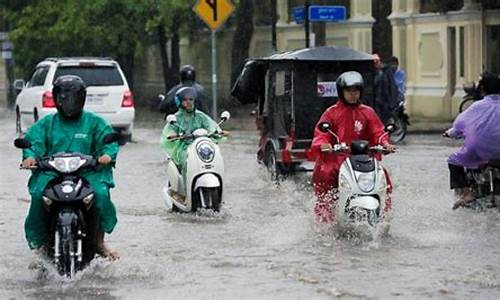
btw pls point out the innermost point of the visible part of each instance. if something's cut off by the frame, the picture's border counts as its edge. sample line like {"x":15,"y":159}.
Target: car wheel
{"x":125,"y":138}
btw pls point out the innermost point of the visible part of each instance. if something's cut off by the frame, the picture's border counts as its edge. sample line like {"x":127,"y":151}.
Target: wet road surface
{"x":264,"y":244}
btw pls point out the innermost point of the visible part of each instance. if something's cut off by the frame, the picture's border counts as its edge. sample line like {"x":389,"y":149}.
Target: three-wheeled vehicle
{"x":291,"y":91}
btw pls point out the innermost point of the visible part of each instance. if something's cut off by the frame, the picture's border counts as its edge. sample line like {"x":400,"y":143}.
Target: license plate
{"x":94,"y":100}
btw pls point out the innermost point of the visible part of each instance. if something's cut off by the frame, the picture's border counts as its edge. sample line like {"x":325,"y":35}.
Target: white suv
{"x":108,"y":93}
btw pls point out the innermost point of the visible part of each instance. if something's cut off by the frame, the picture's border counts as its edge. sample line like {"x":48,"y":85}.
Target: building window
{"x":440,"y":6}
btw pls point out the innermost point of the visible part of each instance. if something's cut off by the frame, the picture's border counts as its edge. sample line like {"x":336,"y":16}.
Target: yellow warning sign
{"x":214,"y":12}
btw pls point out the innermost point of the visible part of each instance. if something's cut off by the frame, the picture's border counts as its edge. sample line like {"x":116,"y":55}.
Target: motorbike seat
{"x":495,"y":163}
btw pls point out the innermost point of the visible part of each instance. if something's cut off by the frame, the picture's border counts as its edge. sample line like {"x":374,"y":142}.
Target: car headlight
{"x":205,"y":151}
{"x":67,"y":164}
{"x":365,"y":181}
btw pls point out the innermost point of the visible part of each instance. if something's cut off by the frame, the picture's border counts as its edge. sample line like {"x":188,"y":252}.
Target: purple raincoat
{"x":479,"y":125}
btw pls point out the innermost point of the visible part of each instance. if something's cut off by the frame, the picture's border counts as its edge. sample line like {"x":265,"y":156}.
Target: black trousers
{"x":457,"y":176}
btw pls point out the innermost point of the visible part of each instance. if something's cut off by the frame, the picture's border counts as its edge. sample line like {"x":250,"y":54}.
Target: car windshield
{"x":93,"y":75}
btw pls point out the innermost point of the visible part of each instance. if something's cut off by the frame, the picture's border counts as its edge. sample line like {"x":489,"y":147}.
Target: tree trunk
{"x":242,"y":37}
{"x":176,"y":58}
{"x":162,"y":43}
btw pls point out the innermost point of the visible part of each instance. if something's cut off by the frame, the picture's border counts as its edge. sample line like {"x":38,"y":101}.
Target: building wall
{"x":439,"y":52}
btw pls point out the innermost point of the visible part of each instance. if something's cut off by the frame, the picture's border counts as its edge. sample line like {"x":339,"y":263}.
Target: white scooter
{"x":203,"y":187}
{"x":362,"y":188}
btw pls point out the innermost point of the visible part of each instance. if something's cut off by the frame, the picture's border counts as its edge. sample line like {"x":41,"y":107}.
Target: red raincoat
{"x":349,"y":123}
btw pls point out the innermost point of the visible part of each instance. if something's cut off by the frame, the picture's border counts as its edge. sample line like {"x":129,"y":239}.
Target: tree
{"x":242,"y":36}
{"x":77,"y":28}
{"x":168,"y":20}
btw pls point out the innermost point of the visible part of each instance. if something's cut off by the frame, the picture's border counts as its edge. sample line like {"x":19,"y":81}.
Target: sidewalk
{"x":428,"y":126}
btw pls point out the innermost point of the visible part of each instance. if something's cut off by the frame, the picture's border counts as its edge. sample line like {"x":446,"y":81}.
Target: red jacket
{"x":349,"y":123}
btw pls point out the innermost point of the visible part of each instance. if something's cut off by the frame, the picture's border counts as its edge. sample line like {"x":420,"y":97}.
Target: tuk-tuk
{"x":291,"y":91}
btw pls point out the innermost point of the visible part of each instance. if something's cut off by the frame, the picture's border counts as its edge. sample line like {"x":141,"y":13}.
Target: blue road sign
{"x":299,"y":14}
{"x":324,"y":13}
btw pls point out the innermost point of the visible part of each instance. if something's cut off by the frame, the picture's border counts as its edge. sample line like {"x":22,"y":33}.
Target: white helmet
{"x":349,"y":79}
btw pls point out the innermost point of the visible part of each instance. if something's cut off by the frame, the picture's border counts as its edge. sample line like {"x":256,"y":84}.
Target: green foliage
{"x":76,"y":28}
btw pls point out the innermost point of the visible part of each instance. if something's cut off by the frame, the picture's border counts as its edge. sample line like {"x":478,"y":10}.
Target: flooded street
{"x":264,"y":244}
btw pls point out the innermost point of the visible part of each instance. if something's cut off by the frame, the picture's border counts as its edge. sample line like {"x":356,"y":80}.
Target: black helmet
{"x":349,"y":79}
{"x":186,"y":92}
{"x":69,"y":93}
{"x":489,"y":83}
{"x":187,"y":74}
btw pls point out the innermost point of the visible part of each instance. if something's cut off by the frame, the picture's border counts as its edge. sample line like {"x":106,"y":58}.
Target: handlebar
{"x":342,"y":147}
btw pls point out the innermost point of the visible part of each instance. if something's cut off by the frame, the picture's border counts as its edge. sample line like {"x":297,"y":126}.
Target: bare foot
{"x":104,"y":251}
{"x":466,"y":198}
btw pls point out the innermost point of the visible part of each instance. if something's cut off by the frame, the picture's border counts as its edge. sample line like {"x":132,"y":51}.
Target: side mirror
{"x":161,"y":97}
{"x":19,"y":84}
{"x":225,"y":116}
{"x":171,"y":119}
{"x":22,"y":143}
{"x":111,"y":138}
{"x":324,"y":127}
{"x":390,"y":128}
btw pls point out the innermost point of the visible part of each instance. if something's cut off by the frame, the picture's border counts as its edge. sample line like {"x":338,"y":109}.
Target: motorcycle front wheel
{"x":208,"y":196}
{"x":67,"y":264}
{"x":399,"y":134}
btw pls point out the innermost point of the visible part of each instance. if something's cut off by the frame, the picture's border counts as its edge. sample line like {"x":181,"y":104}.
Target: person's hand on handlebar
{"x":390,"y":148}
{"x":29,"y":163}
{"x":326,"y":147}
{"x":104,"y":159}
{"x":172,"y":136}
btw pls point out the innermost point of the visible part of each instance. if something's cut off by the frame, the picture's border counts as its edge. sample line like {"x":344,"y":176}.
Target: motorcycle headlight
{"x":366,"y":181}
{"x":343,"y":183}
{"x":67,"y":164}
{"x":205,"y":151}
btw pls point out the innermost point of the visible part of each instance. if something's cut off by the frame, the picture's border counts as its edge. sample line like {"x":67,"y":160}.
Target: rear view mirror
{"x":390,"y":128}
{"x":22,"y":143}
{"x":19,"y":84}
{"x":324,"y":127}
{"x":111,"y":138}
{"x":171,"y":119}
{"x":225,"y":115}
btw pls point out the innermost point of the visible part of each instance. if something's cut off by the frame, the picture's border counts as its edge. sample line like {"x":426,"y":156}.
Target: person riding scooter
{"x":350,"y":120}
{"x":187,"y":75}
{"x":71,"y":129}
{"x":188,"y":119}
{"x":479,"y":127}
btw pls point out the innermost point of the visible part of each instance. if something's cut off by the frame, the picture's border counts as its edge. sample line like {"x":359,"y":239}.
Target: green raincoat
{"x":177,"y":149}
{"x":53,"y":134}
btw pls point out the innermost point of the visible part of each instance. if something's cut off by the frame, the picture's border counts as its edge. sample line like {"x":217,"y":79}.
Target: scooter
{"x":202,"y":185}
{"x":68,"y":199}
{"x":362,"y":188}
{"x":484,"y":182}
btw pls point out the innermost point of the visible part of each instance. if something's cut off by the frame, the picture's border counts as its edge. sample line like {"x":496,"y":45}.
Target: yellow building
{"x":439,"y":51}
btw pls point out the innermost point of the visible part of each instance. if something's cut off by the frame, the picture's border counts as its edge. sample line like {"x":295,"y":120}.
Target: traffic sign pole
{"x":214,"y":13}
{"x":214,"y":76}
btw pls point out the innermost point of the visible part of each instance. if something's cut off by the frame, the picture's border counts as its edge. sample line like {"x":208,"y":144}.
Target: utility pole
{"x":306,"y":21}
{"x":274,"y":19}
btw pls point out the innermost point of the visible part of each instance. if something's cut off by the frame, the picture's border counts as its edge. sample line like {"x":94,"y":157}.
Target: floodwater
{"x":265,"y":243}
